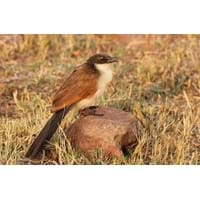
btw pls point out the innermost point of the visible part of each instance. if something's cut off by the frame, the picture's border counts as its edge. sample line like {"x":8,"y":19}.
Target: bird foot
{"x":90,"y":111}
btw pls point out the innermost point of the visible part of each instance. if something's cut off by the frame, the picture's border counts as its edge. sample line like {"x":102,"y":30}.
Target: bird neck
{"x":105,"y":72}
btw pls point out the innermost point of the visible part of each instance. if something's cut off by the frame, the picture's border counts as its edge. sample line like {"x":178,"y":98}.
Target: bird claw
{"x":90,"y":111}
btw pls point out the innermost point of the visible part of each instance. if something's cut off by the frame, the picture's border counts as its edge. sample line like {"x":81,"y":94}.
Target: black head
{"x":101,"y":59}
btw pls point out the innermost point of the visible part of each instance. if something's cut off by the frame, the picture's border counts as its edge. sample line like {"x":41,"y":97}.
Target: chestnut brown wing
{"x":81,"y":84}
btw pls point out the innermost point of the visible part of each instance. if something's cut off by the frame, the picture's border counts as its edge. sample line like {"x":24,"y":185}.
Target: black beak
{"x":113,"y":60}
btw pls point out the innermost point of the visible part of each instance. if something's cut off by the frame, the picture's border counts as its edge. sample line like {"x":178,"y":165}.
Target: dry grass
{"x":157,"y":79}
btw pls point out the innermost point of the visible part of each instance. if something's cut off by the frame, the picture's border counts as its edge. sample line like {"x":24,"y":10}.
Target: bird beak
{"x":114,"y":59}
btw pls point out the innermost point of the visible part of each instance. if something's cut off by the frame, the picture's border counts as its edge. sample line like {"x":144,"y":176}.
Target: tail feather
{"x":46,"y":133}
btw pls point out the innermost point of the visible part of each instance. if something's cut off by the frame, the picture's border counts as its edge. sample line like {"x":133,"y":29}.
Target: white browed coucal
{"x":80,"y":90}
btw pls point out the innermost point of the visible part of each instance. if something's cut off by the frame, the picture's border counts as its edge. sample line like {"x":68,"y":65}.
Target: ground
{"x":157,"y":80}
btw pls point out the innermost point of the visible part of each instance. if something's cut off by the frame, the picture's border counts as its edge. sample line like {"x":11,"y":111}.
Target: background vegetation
{"x":157,"y":79}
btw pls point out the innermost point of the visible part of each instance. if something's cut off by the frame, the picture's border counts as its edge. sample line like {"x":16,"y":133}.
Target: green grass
{"x":157,"y":80}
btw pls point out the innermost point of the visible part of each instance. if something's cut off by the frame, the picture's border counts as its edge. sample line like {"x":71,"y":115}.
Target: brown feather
{"x":82,"y":83}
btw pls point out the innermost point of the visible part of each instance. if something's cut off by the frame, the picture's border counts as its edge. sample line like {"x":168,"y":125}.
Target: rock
{"x":110,"y":130}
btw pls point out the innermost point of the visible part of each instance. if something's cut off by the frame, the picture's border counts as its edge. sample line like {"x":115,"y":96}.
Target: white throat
{"x":105,"y":73}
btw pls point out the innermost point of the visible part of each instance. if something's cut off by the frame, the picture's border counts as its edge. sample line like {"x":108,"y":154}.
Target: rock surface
{"x":110,"y":130}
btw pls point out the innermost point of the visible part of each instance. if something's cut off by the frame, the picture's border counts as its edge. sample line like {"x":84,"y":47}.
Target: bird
{"x":79,"y":90}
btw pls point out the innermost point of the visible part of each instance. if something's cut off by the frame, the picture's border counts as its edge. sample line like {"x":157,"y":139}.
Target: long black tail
{"x":46,"y":133}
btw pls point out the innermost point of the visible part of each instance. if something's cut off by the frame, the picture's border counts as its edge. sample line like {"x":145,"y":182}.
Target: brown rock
{"x":110,"y":130}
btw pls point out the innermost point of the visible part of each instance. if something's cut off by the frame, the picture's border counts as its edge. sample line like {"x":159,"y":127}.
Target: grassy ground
{"x":157,"y":79}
